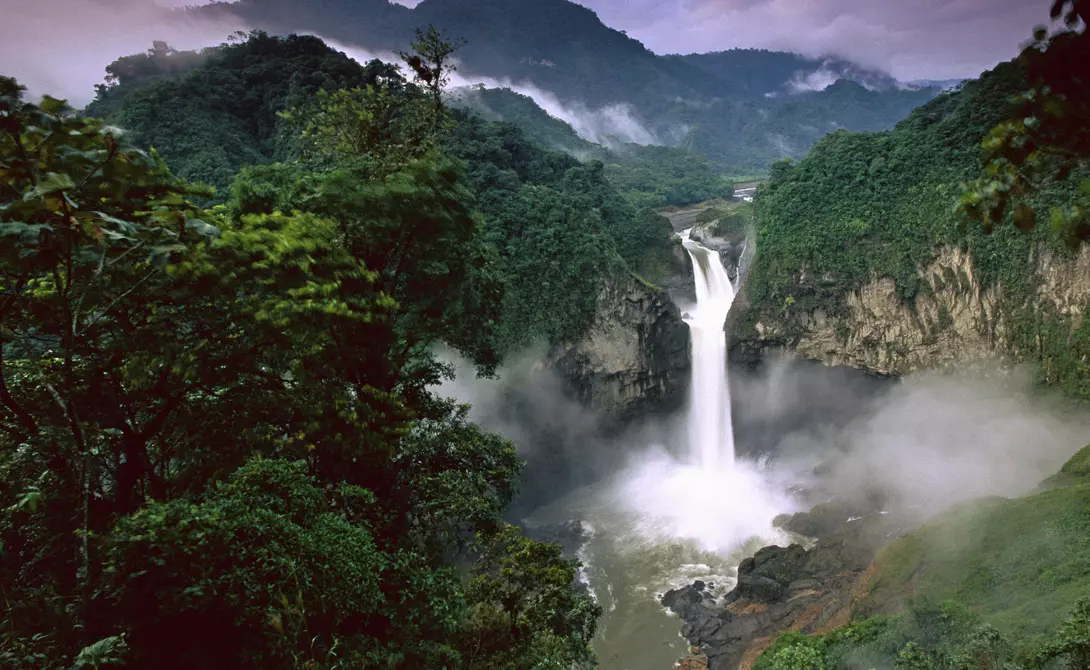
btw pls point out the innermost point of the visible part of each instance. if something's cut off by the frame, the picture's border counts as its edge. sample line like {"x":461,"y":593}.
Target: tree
{"x":523,"y":611}
{"x":217,"y":442}
{"x":430,"y":60}
{"x":1047,"y":139}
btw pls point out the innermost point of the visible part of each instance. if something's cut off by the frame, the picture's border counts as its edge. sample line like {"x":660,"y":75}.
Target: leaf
{"x":126,"y":226}
{"x":107,"y":651}
{"x":202,"y":228}
{"x":29,"y":500}
{"x":52,"y":183}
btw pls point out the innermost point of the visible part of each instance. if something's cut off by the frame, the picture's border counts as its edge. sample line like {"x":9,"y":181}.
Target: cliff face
{"x":634,"y":359}
{"x":955,"y":319}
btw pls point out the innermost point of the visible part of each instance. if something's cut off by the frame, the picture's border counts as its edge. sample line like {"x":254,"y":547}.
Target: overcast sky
{"x":911,"y":39}
{"x":62,"y":46}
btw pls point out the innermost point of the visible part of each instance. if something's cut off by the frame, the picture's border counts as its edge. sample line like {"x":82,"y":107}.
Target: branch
{"x":121,"y":297}
{"x":25,"y":419}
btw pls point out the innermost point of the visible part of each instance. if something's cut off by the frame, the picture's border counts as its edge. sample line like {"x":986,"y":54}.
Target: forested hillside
{"x":219,"y":446}
{"x":862,"y":207}
{"x":541,"y":208}
{"x":949,"y":210}
{"x":739,"y":108}
{"x":758,"y":73}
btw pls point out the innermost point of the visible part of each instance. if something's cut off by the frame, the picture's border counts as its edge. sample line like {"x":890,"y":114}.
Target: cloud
{"x":925,"y":442}
{"x":62,"y":47}
{"x":912,"y":39}
{"x":612,"y":125}
{"x":818,"y":80}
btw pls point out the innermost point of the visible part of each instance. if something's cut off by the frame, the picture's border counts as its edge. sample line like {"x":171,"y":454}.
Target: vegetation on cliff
{"x":867,"y":206}
{"x":218,"y":446}
{"x":992,"y":583}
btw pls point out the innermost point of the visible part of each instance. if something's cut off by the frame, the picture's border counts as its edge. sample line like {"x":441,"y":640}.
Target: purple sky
{"x":62,"y":46}
{"x":911,"y":39}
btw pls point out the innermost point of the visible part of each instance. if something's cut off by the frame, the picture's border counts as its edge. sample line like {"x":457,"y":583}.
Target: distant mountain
{"x":941,"y":84}
{"x":744,"y":108}
{"x":762,"y":73}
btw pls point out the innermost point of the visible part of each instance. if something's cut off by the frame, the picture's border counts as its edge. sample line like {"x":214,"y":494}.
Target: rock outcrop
{"x":786,"y":588}
{"x":634,"y":360}
{"x":955,"y":320}
{"x":730,"y":247}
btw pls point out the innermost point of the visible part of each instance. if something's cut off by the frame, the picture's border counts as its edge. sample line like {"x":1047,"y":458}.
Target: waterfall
{"x":711,"y":433}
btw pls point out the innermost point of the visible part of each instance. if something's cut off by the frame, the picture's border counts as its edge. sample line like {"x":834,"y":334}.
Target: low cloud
{"x":911,"y":39}
{"x":925,"y":442}
{"x":818,"y":80}
{"x":62,"y":47}
{"x":612,"y":125}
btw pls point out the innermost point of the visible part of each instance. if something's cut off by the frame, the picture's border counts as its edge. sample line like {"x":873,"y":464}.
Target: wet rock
{"x":693,"y":663}
{"x":570,"y":535}
{"x":634,"y":360}
{"x":782,"y":588}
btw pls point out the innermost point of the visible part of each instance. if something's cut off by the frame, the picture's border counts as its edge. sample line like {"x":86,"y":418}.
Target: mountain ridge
{"x":743,"y":109}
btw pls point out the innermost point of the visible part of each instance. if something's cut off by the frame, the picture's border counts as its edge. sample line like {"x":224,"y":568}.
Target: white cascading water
{"x":711,"y":434}
{"x":662,"y":522}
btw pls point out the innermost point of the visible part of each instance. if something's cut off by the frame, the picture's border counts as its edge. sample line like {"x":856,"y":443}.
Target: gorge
{"x":318,"y":362}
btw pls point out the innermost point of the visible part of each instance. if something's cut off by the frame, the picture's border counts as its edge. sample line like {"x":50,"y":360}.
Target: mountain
{"x":762,"y":73}
{"x":744,"y":109}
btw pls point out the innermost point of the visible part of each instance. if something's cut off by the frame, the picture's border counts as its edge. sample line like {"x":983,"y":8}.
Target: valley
{"x":476,"y":335}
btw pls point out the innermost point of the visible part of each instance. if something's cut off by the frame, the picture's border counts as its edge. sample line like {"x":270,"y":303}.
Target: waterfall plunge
{"x":711,"y":433}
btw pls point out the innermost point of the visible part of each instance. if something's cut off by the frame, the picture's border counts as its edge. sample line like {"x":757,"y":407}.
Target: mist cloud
{"x":925,"y":442}
{"x":611,"y":126}
{"x":912,"y":39}
{"x":62,"y":47}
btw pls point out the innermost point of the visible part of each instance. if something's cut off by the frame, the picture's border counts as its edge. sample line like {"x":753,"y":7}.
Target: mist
{"x":611,"y":126}
{"x":924,"y":443}
{"x":88,"y":35}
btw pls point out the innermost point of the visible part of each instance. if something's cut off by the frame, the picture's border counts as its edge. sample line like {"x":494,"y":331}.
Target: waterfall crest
{"x":711,"y":432}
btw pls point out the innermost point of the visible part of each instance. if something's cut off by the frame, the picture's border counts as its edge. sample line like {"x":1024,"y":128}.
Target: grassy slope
{"x":1021,"y":563}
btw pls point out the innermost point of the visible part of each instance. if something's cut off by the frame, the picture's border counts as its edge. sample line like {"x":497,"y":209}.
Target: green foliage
{"x":213,"y":112}
{"x":524,"y":612}
{"x":1044,"y":139}
{"x":927,"y":636}
{"x":217,"y":443}
{"x":865,"y":206}
{"x":1021,"y":563}
{"x":560,"y":228}
{"x":550,"y":228}
{"x":662,"y":176}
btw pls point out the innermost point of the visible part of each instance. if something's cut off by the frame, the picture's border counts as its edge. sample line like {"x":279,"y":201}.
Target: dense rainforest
{"x":867,"y":205}
{"x":991,"y":583}
{"x":559,"y":227}
{"x":742,"y":109}
{"x":219,"y":446}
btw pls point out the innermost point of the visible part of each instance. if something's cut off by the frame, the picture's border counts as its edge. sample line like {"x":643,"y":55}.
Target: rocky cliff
{"x":956,"y":318}
{"x":634,"y":360}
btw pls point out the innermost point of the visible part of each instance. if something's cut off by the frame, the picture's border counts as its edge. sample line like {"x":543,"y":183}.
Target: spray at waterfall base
{"x":708,"y":497}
